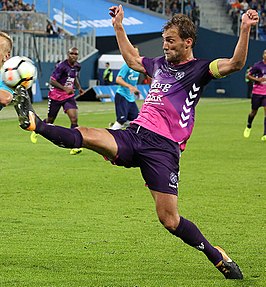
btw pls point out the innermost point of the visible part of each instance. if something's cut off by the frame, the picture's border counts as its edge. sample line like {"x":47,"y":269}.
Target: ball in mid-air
{"x":19,"y":71}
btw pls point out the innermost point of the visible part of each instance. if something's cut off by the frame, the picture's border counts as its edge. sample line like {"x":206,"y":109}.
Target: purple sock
{"x":63,"y":137}
{"x":190,"y":234}
{"x":73,"y":126}
{"x":250,"y":120}
{"x":264,"y":126}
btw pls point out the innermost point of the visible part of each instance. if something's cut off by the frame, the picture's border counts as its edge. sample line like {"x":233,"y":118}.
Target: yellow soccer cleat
{"x":263,"y":138}
{"x":33,"y":137}
{"x":75,"y":151}
{"x":246,"y":133}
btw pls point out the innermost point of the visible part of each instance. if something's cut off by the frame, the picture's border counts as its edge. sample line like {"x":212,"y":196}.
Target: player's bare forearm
{"x":55,"y":84}
{"x":129,"y":53}
{"x":238,"y":60}
{"x":77,"y":84}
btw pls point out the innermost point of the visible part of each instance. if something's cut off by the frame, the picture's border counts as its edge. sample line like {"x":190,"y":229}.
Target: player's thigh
{"x":100,"y":141}
{"x":256,"y":101}
{"x":70,"y":104}
{"x":53,"y":108}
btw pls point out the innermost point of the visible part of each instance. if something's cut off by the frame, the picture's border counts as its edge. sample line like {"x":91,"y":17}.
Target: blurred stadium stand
{"x":89,"y":28}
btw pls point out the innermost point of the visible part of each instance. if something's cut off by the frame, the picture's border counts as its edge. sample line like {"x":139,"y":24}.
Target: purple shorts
{"x":258,"y":101}
{"x":54,"y":106}
{"x":157,"y":157}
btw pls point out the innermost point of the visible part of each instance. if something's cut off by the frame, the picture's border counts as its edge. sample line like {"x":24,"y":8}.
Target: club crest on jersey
{"x":179,"y":75}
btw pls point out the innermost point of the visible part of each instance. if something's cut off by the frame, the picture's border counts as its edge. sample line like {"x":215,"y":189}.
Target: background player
{"x":166,"y":120}
{"x":126,"y":108}
{"x":257,"y":75}
{"x":63,"y":81}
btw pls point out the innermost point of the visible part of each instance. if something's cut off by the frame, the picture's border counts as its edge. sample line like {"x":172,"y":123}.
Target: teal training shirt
{"x":3,"y":86}
{"x":129,"y":76}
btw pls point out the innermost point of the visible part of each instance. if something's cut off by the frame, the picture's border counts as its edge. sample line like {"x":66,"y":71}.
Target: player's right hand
{"x":117,"y":14}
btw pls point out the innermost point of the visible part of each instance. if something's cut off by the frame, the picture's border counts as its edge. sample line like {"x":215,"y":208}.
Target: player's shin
{"x":191,"y":235}
{"x":63,"y":137}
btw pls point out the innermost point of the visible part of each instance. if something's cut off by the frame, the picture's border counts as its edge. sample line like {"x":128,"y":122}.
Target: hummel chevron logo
{"x":195,"y":89}
{"x":185,"y":109}
{"x":185,"y":115}
{"x":184,"y":118}
{"x":189,"y":103}
{"x":183,"y":125}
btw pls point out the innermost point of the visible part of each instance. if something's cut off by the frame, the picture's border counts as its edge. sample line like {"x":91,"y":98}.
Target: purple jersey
{"x":169,"y":107}
{"x":65,"y":75}
{"x":259,"y":70}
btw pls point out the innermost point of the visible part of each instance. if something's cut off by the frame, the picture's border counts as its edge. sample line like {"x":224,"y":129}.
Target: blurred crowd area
{"x":16,"y":5}
{"x":235,"y":8}
{"x":170,"y":7}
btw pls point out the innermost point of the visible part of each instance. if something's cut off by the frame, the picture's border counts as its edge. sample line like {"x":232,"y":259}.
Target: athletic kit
{"x":126,"y":108}
{"x":259,"y":89}
{"x":165,"y":122}
{"x":65,"y":75}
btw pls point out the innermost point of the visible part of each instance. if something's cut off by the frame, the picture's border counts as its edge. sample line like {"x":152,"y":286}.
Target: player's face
{"x":4,"y":51}
{"x":264,"y":56}
{"x":73,"y":56}
{"x":175,"y":49}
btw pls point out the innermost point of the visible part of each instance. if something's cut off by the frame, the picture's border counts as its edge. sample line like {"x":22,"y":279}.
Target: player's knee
{"x":169,"y":222}
{"x":90,"y":135}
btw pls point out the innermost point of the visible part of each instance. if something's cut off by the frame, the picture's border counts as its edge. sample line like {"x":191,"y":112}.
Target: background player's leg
{"x":73,"y":117}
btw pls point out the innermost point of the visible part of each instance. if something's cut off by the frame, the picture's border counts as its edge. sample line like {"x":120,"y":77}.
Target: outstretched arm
{"x":237,"y":62}
{"x":129,"y":53}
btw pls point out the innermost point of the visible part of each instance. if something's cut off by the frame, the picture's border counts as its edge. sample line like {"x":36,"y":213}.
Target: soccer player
{"x":154,"y":140}
{"x":6,"y":44}
{"x":257,"y":75}
{"x":126,"y":108}
{"x":63,"y":81}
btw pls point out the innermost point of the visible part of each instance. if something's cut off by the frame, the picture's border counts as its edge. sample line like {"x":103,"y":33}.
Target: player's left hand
{"x":81,"y":92}
{"x":251,"y":17}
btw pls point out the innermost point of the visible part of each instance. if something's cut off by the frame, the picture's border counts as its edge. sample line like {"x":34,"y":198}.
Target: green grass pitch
{"x":73,"y":221}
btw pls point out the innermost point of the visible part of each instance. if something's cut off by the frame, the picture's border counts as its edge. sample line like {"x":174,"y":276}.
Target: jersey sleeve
{"x":123,"y":71}
{"x":3,"y":86}
{"x":56,"y":75}
{"x":148,"y":64}
{"x":254,"y":70}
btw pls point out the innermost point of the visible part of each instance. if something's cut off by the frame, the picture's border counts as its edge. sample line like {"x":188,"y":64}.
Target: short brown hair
{"x":9,"y":40}
{"x":186,"y":28}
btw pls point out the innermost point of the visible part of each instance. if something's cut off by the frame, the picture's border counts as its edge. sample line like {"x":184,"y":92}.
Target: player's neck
{"x":183,"y":61}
